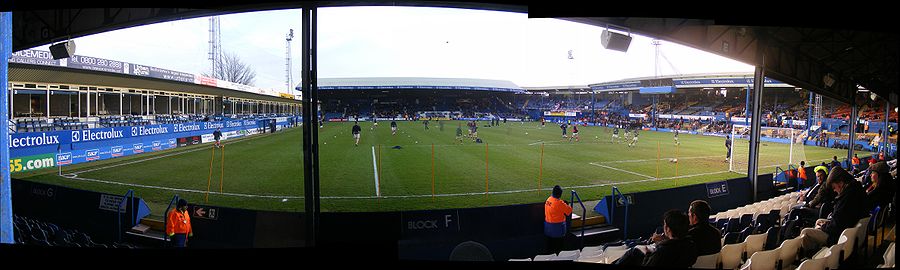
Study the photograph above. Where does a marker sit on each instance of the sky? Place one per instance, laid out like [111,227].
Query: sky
[406,42]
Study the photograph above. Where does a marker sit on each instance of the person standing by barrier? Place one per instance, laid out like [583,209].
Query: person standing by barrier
[801,173]
[556,211]
[178,225]
[855,163]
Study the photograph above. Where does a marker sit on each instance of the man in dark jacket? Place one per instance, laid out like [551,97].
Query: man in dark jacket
[706,237]
[677,250]
[819,200]
[849,207]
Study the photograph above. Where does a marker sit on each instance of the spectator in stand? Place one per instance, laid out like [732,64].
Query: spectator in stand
[706,237]
[677,250]
[818,200]
[882,189]
[849,207]
[834,162]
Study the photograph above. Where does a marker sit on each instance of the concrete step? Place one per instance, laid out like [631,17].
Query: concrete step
[589,221]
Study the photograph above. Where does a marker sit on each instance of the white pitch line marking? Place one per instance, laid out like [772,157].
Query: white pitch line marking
[621,170]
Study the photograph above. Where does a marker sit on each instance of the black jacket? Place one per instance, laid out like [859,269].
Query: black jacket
[825,195]
[849,208]
[812,193]
[677,253]
[707,238]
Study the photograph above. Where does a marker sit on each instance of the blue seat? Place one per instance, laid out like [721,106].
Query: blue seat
[733,225]
[731,238]
[772,240]
[745,232]
[720,223]
[746,220]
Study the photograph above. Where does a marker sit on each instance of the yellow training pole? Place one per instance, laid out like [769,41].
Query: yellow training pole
[432,172]
[222,178]
[380,175]
[486,190]
[208,179]
[541,172]
[657,159]
[676,165]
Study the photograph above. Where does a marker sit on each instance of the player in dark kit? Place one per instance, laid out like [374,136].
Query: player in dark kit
[356,129]
[563,126]
[459,134]
[728,146]
[393,127]
[217,135]
[426,124]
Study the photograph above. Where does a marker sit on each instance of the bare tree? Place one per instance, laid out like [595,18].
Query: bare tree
[231,68]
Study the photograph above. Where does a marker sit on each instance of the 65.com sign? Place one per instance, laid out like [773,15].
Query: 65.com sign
[29,163]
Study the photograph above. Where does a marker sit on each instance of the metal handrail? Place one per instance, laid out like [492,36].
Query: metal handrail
[124,202]
[583,211]
[166,217]
[616,193]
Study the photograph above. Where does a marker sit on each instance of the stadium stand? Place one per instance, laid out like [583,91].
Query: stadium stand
[34,232]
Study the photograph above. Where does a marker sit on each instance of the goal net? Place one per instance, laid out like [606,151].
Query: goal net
[778,147]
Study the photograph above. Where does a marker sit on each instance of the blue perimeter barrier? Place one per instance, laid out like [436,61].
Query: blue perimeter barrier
[68,147]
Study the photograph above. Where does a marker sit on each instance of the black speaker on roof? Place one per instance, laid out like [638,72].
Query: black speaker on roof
[62,50]
[615,41]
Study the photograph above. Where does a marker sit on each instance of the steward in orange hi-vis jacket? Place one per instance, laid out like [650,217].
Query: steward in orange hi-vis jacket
[178,225]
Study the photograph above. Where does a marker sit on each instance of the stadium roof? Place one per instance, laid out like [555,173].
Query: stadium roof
[62,75]
[416,83]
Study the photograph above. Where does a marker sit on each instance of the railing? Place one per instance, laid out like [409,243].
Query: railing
[617,194]
[129,196]
[166,217]
[583,213]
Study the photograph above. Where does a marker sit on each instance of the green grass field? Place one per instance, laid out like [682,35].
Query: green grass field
[265,171]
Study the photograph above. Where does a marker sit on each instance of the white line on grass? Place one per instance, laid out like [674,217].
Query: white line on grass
[621,170]
[643,160]
[375,169]
[372,197]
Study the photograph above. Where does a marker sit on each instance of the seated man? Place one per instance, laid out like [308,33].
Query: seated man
[817,202]
[849,207]
[677,251]
[706,237]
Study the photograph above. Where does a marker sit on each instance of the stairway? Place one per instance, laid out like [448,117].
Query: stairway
[596,230]
[149,232]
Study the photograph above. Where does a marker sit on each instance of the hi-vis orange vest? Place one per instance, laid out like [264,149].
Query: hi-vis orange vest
[178,222]
[556,211]
[801,172]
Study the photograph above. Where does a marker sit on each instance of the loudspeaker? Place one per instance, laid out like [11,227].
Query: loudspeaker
[62,50]
[615,41]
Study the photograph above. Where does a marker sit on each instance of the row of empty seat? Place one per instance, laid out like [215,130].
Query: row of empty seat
[34,232]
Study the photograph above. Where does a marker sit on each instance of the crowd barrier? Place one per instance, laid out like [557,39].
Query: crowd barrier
[37,150]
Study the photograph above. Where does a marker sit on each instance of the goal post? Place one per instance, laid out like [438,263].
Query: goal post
[779,147]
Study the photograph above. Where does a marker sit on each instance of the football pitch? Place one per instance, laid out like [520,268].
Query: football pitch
[422,169]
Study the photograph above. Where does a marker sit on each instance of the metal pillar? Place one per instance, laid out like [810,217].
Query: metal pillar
[747,105]
[854,121]
[6,215]
[809,120]
[310,134]
[885,134]
[752,169]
